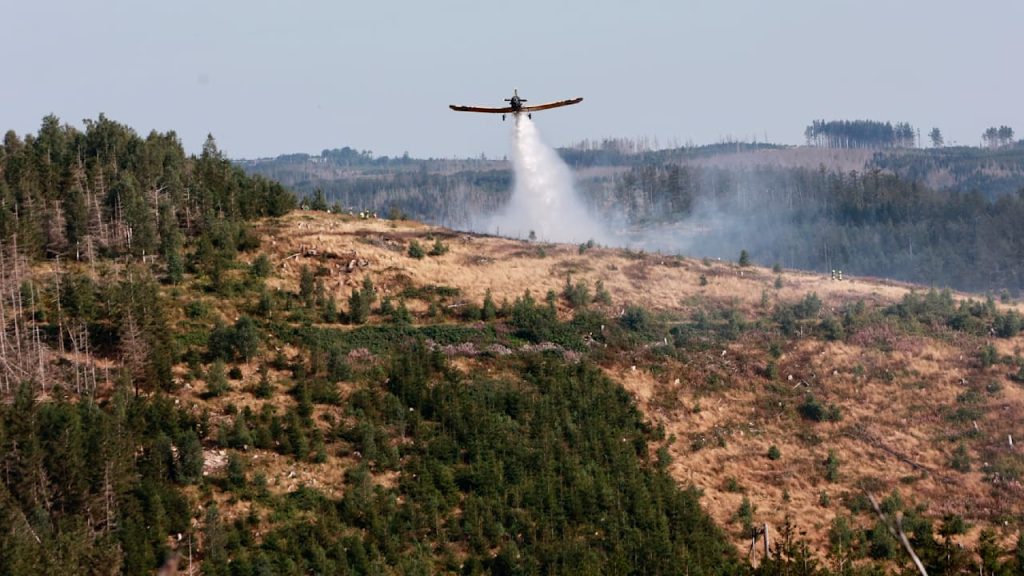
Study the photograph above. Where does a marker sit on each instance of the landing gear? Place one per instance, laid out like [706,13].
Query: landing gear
[530,116]
[502,117]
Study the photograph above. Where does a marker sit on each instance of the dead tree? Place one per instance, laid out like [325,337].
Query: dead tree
[898,533]
[17,339]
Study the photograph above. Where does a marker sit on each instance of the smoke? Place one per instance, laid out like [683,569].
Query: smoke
[727,217]
[544,198]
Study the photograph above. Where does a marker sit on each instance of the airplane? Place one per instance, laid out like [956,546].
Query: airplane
[515,106]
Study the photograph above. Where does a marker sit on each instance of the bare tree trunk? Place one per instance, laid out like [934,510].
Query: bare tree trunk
[108,500]
[3,326]
[766,540]
[60,312]
[36,340]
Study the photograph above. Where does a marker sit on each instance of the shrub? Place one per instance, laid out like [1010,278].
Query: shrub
[415,250]
[988,356]
[744,258]
[961,460]
[636,319]
[952,525]
[808,307]
[306,285]
[881,544]
[265,304]
[260,267]
[892,503]
[1008,325]
[401,315]
[601,294]
[832,328]
[239,341]
[832,466]
[578,295]
[358,307]
[236,470]
[745,515]
[246,338]
[774,453]
[196,309]
[216,379]
[840,535]
[439,249]
[489,311]
[813,410]
[265,388]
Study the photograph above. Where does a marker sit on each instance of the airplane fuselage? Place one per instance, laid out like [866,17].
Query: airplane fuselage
[515,102]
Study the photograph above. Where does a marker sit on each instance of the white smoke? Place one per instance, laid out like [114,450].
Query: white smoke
[544,199]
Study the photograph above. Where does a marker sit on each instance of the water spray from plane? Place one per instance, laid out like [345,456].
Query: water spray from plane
[544,199]
[544,203]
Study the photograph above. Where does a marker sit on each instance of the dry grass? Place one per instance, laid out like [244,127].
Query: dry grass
[896,431]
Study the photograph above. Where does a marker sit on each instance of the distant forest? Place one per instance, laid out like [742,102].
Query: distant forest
[946,217]
[860,134]
[873,223]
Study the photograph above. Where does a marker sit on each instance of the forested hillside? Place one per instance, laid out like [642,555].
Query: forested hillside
[992,172]
[196,376]
[107,192]
[174,395]
[869,223]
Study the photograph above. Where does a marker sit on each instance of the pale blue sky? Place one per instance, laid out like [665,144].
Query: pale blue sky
[273,77]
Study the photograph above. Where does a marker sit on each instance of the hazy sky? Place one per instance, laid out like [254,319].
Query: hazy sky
[271,77]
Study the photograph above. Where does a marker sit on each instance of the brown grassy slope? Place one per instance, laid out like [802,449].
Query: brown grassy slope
[898,394]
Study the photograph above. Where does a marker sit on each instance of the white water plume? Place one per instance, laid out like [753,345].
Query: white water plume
[544,200]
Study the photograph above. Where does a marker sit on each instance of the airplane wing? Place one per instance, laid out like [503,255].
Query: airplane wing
[480,109]
[552,105]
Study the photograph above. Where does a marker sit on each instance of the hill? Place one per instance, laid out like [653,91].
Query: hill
[288,392]
[782,397]
[915,393]
[939,217]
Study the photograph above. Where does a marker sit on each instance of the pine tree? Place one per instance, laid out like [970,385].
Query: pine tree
[171,244]
[489,311]
[190,458]
[307,284]
[216,379]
